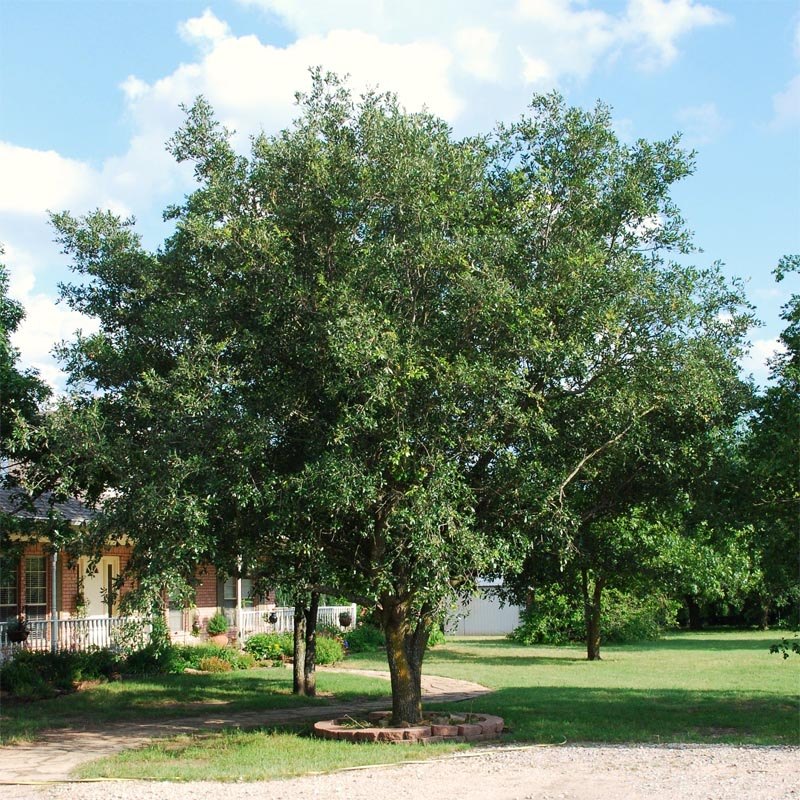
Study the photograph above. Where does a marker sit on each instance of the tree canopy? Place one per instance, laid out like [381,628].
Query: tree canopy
[389,355]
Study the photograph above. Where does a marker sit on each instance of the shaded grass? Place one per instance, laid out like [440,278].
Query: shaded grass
[147,698]
[251,756]
[721,686]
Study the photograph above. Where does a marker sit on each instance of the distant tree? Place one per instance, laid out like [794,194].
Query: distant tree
[771,465]
[634,368]
[22,392]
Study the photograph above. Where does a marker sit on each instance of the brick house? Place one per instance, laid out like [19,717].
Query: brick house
[45,585]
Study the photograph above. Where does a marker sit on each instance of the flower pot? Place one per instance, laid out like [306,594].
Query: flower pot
[220,639]
[345,619]
[17,636]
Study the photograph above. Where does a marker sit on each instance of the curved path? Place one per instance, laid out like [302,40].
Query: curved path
[54,755]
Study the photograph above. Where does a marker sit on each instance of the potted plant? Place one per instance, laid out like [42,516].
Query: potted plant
[345,619]
[217,629]
[17,630]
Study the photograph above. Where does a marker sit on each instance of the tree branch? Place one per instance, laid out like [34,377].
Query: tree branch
[603,447]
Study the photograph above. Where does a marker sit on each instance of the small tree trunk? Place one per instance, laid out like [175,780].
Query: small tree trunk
[592,604]
[695,617]
[299,666]
[310,660]
[405,650]
[766,607]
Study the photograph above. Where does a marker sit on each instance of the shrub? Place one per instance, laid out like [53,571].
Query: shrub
[193,655]
[97,664]
[34,676]
[436,637]
[130,636]
[214,664]
[627,618]
[217,624]
[329,651]
[556,618]
[177,658]
[156,660]
[331,632]
[366,638]
[20,678]
[553,618]
[270,646]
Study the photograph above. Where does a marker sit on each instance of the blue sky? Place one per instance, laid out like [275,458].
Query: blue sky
[90,89]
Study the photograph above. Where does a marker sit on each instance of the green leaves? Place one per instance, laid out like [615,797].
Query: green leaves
[378,357]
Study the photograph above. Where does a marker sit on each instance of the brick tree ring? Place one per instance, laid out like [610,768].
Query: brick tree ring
[440,728]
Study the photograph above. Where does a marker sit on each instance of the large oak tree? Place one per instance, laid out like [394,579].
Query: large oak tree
[383,353]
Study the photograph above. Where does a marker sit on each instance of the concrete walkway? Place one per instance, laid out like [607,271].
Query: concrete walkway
[53,756]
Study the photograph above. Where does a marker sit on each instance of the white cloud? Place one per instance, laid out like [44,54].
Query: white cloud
[477,49]
[205,29]
[36,180]
[786,105]
[314,17]
[755,363]
[251,84]
[536,72]
[658,24]
[46,322]
[701,124]
[561,39]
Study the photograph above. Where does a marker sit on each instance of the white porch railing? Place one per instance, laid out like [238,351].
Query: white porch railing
[86,633]
[78,633]
[257,620]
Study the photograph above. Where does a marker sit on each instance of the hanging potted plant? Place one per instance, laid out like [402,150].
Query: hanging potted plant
[17,630]
[345,619]
[217,629]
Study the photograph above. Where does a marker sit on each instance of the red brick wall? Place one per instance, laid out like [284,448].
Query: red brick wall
[206,593]
[69,585]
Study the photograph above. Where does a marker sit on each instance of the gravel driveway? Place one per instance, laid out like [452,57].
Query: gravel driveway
[677,772]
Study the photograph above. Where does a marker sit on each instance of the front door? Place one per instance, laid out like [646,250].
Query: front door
[98,586]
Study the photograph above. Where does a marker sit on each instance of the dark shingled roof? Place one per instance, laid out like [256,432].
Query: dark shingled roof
[16,502]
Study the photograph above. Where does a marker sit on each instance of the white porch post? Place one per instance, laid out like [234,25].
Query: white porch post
[54,602]
[237,614]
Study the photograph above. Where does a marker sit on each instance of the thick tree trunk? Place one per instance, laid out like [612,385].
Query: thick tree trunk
[310,661]
[405,649]
[299,666]
[592,603]
[695,617]
[304,675]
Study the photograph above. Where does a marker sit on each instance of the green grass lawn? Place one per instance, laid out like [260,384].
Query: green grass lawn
[251,756]
[176,696]
[688,687]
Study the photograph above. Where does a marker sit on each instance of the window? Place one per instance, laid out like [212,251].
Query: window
[35,587]
[9,590]
[247,593]
[229,592]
